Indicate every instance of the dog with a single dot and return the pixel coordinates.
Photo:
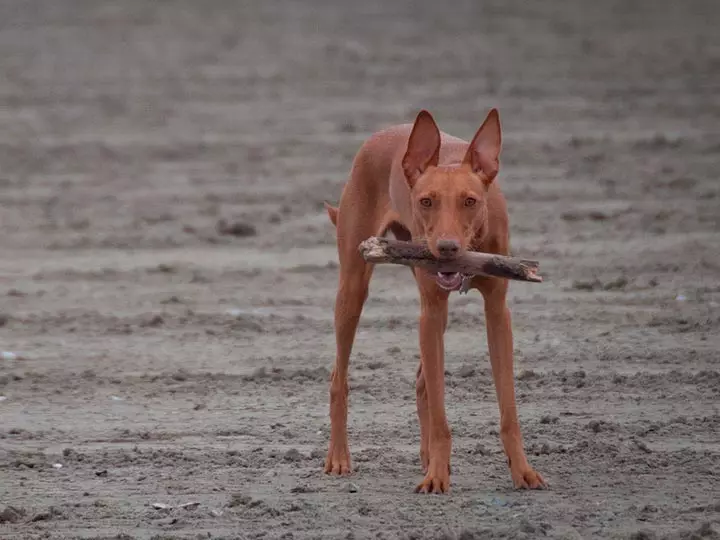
(424, 185)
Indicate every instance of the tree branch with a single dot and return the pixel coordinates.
(386, 251)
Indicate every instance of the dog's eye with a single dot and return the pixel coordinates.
(469, 202)
(426, 202)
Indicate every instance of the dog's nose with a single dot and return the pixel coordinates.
(448, 247)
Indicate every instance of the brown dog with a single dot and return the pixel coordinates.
(425, 185)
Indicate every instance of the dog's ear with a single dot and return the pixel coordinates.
(484, 151)
(423, 148)
(332, 212)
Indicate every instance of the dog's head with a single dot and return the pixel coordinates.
(449, 203)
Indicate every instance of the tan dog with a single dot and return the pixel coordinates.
(425, 185)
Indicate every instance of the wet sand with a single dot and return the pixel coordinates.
(161, 362)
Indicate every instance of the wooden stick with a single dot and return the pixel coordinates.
(474, 263)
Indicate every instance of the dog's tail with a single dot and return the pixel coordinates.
(332, 213)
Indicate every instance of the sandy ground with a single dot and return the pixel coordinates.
(161, 362)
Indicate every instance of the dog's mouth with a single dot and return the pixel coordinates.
(450, 281)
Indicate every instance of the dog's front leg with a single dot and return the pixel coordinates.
(351, 295)
(500, 344)
(433, 320)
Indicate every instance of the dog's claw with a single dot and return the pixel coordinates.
(338, 463)
(528, 479)
(338, 468)
(437, 481)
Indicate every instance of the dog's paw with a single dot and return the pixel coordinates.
(338, 461)
(437, 480)
(527, 478)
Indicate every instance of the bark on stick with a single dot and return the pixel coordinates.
(387, 251)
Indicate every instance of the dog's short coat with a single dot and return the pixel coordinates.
(425, 185)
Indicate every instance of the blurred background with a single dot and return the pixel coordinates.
(167, 271)
(135, 124)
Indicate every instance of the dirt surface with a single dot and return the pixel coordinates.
(167, 273)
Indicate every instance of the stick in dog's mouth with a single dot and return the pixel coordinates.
(450, 274)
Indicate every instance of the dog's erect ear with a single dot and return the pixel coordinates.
(484, 151)
(423, 148)
(332, 212)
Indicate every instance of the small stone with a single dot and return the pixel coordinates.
(190, 505)
(161, 506)
(526, 374)
(643, 535)
(352, 488)
(237, 228)
(585, 285)
(466, 371)
(165, 268)
(480, 450)
(239, 499)
(45, 516)
(616, 284)
(303, 488)
(102, 473)
(293, 455)
(642, 446)
(11, 514)
(155, 321)
(216, 513)
(57, 465)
